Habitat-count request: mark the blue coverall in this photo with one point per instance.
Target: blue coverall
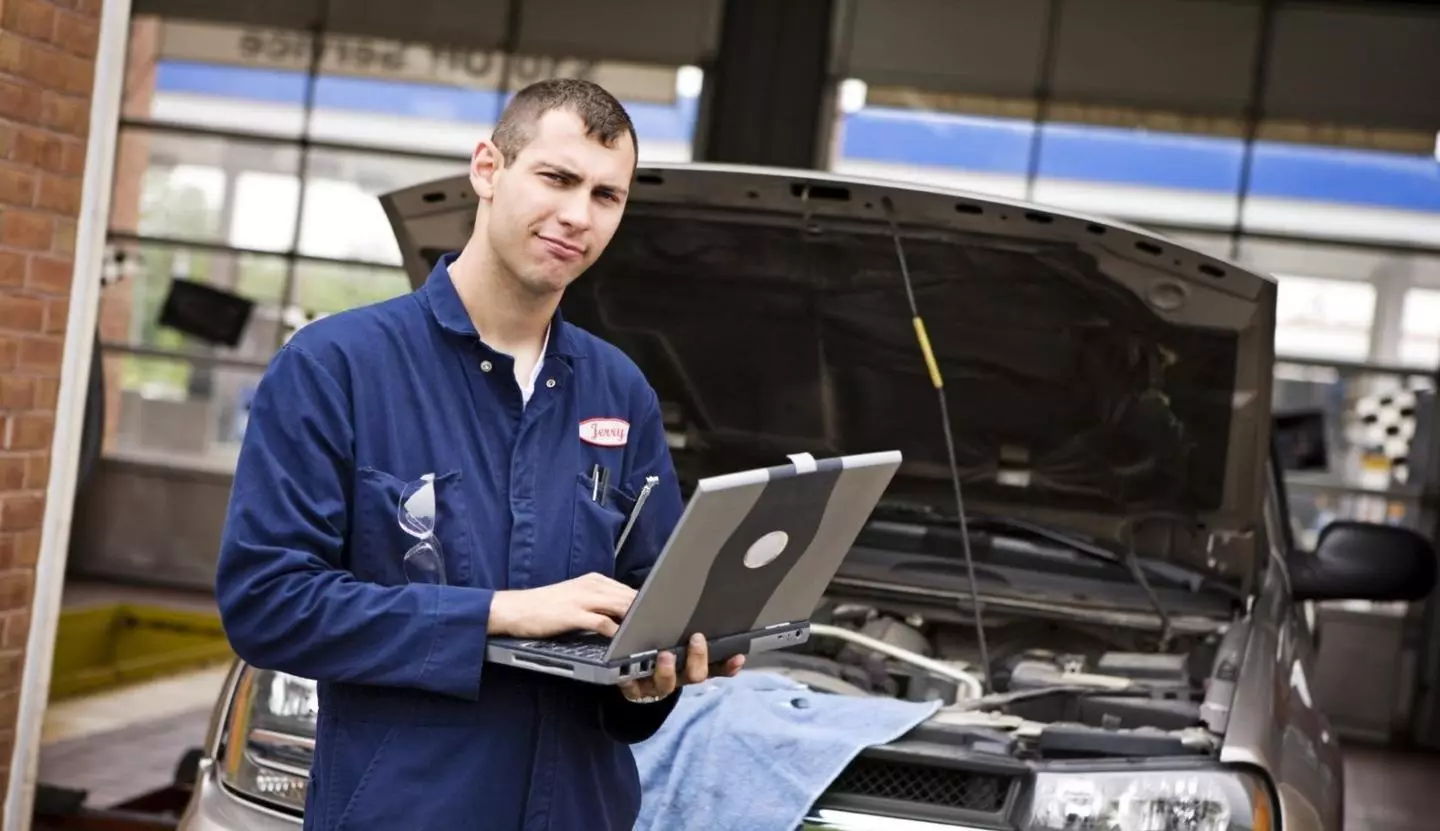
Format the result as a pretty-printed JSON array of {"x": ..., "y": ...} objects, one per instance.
[{"x": 415, "y": 732}]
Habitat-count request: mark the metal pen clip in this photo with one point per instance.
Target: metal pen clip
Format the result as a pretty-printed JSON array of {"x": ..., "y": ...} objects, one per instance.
[
  {"x": 650, "y": 482},
  {"x": 599, "y": 484}
]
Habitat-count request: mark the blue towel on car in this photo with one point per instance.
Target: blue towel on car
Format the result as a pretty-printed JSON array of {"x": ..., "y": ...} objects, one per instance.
[{"x": 754, "y": 752}]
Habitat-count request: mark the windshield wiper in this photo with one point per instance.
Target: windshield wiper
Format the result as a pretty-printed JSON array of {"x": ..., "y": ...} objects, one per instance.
[
  {"x": 1138, "y": 568},
  {"x": 899, "y": 514}
]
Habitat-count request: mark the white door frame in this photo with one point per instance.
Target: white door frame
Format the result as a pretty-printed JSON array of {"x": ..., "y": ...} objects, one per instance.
[{"x": 105, "y": 103}]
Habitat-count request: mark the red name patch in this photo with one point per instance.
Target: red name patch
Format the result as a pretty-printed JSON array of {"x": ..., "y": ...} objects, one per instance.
[{"x": 605, "y": 432}]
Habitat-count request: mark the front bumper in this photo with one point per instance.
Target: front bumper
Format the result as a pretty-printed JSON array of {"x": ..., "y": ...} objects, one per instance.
[{"x": 213, "y": 808}]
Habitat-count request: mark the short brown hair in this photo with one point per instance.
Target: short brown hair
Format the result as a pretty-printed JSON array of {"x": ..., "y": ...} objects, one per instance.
[{"x": 603, "y": 116}]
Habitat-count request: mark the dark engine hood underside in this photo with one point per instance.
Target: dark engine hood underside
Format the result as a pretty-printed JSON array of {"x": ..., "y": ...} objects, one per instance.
[{"x": 1094, "y": 372}]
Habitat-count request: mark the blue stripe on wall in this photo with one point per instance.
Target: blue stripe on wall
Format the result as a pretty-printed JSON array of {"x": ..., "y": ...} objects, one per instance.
[
  {"x": 987, "y": 145},
  {"x": 1164, "y": 160},
  {"x": 981, "y": 145},
  {"x": 1154, "y": 159}
]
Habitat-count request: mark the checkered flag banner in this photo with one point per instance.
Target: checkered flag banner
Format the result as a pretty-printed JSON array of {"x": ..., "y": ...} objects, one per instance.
[{"x": 1385, "y": 424}]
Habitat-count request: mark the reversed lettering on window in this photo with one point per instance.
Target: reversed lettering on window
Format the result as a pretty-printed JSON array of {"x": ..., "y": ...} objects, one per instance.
[{"x": 365, "y": 56}]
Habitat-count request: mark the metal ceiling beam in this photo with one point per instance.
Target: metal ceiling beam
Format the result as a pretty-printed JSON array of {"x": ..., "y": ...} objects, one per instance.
[{"x": 767, "y": 90}]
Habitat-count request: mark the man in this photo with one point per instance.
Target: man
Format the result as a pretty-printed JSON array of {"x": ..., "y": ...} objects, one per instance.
[{"x": 475, "y": 393}]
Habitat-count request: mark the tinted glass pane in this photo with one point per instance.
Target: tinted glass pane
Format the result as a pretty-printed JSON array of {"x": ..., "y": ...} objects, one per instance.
[
  {"x": 1323, "y": 318},
  {"x": 215, "y": 190},
  {"x": 1420, "y": 329},
  {"x": 343, "y": 217},
  {"x": 173, "y": 410},
  {"x": 257, "y": 278},
  {"x": 324, "y": 288}
]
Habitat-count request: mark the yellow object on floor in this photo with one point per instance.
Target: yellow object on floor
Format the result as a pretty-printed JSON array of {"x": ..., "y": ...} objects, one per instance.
[
  {"x": 103, "y": 647},
  {"x": 146, "y": 701}
]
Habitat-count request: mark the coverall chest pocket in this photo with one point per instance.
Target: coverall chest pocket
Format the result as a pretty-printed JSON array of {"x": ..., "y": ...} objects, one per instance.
[
  {"x": 410, "y": 530},
  {"x": 600, "y": 516}
]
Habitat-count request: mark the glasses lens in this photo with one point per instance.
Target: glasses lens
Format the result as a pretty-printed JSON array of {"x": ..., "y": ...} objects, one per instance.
[
  {"x": 423, "y": 564},
  {"x": 417, "y": 507}
]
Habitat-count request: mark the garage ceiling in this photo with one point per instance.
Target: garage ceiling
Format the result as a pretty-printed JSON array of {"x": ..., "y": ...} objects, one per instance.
[{"x": 1373, "y": 66}]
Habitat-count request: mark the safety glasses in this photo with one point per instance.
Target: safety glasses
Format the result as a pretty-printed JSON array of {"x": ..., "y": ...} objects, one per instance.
[{"x": 424, "y": 562}]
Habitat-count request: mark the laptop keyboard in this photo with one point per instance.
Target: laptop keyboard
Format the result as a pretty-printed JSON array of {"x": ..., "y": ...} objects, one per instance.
[{"x": 583, "y": 645}]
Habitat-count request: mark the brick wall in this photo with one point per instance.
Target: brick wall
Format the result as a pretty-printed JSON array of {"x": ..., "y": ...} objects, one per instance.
[{"x": 47, "y": 65}]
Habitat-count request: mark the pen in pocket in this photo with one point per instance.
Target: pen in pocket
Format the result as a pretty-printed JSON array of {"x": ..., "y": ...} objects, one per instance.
[
  {"x": 650, "y": 482},
  {"x": 599, "y": 484}
]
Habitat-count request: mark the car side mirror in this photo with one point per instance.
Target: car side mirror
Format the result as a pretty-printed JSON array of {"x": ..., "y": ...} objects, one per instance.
[{"x": 1364, "y": 561}]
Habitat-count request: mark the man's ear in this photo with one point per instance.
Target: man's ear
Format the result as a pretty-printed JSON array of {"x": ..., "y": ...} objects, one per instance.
[{"x": 485, "y": 162}]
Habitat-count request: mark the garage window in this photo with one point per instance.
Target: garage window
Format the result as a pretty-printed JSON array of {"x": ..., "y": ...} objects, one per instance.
[
  {"x": 1420, "y": 329},
  {"x": 1320, "y": 318},
  {"x": 246, "y": 166}
]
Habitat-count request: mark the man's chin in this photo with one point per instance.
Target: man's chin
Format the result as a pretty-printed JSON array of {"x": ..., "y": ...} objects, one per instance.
[{"x": 544, "y": 286}]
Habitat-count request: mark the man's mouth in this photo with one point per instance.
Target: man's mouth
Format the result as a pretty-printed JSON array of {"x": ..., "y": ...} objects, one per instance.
[{"x": 561, "y": 249}]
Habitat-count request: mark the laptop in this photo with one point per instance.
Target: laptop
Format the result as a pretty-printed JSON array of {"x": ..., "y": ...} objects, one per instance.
[{"x": 746, "y": 565}]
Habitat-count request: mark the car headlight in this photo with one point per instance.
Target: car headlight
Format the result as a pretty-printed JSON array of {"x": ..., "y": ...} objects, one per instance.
[
  {"x": 270, "y": 738},
  {"x": 1198, "y": 800}
]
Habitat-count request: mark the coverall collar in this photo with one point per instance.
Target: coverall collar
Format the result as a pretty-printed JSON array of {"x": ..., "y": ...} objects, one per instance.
[{"x": 438, "y": 294}]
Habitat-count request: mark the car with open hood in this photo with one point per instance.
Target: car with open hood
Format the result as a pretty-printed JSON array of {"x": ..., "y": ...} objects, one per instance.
[{"x": 1084, "y": 410}]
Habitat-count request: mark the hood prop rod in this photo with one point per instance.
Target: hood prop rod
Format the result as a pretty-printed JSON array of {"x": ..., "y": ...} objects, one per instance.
[
  {"x": 939, "y": 383},
  {"x": 1132, "y": 560}
]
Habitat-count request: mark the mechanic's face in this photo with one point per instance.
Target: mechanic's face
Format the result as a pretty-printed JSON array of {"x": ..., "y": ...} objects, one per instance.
[{"x": 549, "y": 212}]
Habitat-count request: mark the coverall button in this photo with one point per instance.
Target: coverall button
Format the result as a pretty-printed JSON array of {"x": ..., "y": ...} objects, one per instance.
[
  {"x": 486, "y": 366},
  {"x": 549, "y": 383}
]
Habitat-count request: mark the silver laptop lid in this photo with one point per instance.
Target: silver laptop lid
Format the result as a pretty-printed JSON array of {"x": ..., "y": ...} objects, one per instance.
[{"x": 755, "y": 549}]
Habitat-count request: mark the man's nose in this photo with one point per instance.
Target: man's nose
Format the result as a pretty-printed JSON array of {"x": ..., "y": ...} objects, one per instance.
[{"x": 575, "y": 210}]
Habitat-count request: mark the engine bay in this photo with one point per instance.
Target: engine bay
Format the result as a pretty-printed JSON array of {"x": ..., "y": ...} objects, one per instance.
[{"x": 1056, "y": 690}]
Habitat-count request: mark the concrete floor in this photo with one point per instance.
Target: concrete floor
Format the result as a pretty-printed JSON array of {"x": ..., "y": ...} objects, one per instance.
[{"x": 122, "y": 744}]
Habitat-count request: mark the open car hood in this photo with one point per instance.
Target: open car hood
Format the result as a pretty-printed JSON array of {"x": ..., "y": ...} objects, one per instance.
[{"x": 1095, "y": 372}]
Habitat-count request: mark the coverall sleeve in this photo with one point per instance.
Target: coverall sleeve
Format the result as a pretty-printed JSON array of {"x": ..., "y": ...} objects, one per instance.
[
  {"x": 624, "y": 720},
  {"x": 285, "y": 599}
]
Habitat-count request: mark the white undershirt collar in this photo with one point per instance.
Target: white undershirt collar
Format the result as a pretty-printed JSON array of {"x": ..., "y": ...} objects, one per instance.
[{"x": 527, "y": 385}]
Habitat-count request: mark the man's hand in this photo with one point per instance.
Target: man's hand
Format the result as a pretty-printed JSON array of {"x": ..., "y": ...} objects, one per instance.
[
  {"x": 591, "y": 602},
  {"x": 664, "y": 682}
]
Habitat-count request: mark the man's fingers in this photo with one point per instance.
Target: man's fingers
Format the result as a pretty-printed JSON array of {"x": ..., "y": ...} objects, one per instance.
[
  {"x": 697, "y": 660},
  {"x": 604, "y": 606},
  {"x": 596, "y": 580},
  {"x": 733, "y": 666},
  {"x": 601, "y": 624},
  {"x": 663, "y": 680},
  {"x": 607, "y": 606},
  {"x": 609, "y": 597}
]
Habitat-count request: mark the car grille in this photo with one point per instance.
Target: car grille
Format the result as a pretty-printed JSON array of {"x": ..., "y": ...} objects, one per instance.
[{"x": 930, "y": 785}]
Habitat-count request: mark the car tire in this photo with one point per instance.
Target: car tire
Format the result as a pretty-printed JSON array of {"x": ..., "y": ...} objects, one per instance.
[{"x": 187, "y": 771}]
